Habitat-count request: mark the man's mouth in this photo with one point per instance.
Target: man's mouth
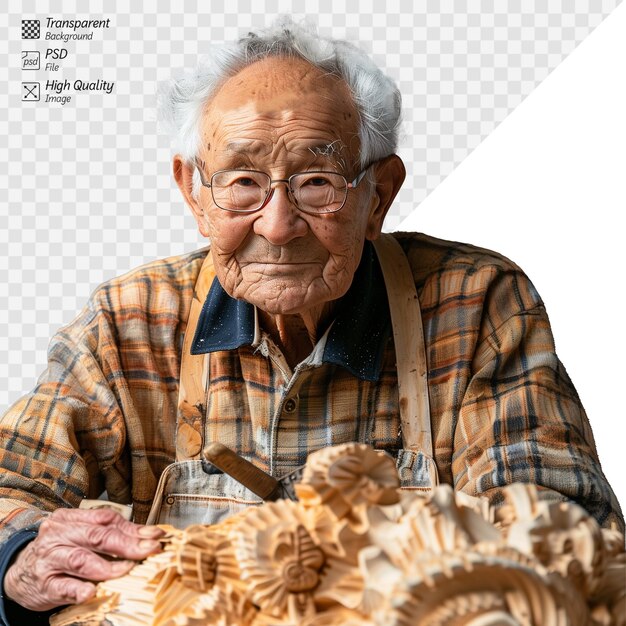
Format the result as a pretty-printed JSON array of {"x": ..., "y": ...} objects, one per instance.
[{"x": 278, "y": 266}]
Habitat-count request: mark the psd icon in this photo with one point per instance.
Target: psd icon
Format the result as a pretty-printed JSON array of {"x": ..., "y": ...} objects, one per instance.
[
  {"x": 30, "y": 29},
  {"x": 30, "y": 59}
]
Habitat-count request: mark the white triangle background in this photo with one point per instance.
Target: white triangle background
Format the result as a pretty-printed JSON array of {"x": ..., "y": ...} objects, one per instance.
[{"x": 548, "y": 189}]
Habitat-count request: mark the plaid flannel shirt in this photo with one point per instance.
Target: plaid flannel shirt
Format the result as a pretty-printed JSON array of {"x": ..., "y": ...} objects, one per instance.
[{"x": 103, "y": 414}]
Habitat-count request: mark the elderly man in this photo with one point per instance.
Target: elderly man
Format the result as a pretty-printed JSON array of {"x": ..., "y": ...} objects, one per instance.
[{"x": 290, "y": 333}]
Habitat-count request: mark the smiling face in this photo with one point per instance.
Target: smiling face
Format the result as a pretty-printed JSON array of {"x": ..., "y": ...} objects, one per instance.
[{"x": 283, "y": 116}]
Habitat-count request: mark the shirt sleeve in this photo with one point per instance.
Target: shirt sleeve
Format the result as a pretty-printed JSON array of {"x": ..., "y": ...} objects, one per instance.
[
  {"x": 103, "y": 414},
  {"x": 59, "y": 442},
  {"x": 521, "y": 419},
  {"x": 11, "y": 613}
]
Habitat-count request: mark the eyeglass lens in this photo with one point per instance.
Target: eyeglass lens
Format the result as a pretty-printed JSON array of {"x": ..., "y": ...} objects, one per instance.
[{"x": 315, "y": 192}]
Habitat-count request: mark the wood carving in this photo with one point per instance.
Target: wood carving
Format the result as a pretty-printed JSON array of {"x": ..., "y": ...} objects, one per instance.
[{"x": 356, "y": 550}]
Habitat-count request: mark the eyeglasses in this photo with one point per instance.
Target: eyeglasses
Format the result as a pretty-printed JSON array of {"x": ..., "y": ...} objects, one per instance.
[{"x": 246, "y": 191}]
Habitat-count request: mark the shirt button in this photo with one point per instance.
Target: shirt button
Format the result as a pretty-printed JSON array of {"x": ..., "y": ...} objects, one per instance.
[{"x": 290, "y": 406}]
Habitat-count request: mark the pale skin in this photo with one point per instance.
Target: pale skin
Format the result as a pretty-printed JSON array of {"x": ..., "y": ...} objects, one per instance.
[{"x": 279, "y": 116}]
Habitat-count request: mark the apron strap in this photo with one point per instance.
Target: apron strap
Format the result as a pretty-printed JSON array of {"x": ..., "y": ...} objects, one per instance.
[
  {"x": 193, "y": 374},
  {"x": 408, "y": 337}
]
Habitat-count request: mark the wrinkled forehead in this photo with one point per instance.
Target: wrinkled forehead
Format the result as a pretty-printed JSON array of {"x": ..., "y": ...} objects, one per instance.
[{"x": 269, "y": 88}]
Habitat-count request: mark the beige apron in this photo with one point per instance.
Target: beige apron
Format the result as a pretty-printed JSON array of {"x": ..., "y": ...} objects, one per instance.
[{"x": 187, "y": 495}]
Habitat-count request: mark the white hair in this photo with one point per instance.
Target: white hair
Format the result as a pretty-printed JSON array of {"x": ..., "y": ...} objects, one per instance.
[{"x": 376, "y": 96}]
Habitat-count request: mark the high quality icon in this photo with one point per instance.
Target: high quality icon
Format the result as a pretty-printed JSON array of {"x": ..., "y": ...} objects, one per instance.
[{"x": 30, "y": 92}]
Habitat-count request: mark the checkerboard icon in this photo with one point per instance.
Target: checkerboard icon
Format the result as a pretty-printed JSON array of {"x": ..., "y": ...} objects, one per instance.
[{"x": 30, "y": 29}]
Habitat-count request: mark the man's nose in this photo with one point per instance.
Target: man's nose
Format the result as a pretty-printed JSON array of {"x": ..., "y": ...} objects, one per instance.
[{"x": 280, "y": 221}]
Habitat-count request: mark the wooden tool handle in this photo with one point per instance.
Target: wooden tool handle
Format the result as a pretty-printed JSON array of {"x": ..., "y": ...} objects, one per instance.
[{"x": 250, "y": 476}]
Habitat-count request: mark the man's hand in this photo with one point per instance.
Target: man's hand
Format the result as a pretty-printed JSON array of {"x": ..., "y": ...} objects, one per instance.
[{"x": 54, "y": 569}]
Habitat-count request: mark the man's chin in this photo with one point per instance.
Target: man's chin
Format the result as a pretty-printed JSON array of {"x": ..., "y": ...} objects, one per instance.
[
  {"x": 273, "y": 307},
  {"x": 289, "y": 295},
  {"x": 286, "y": 302}
]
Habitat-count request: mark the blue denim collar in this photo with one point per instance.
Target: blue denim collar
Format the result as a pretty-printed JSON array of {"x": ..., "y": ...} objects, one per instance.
[{"x": 357, "y": 337}]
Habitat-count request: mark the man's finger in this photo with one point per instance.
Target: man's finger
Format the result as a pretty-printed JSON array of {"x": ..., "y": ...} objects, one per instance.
[
  {"x": 82, "y": 563},
  {"x": 62, "y": 590},
  {"x": 106, "y": 517},
  {"x": 110, "y": 540},
  {"x": 105, "y": 532}
]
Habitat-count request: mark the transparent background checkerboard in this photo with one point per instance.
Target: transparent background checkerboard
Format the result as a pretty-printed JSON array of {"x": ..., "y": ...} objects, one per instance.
[{"x": 86, "y": 191}]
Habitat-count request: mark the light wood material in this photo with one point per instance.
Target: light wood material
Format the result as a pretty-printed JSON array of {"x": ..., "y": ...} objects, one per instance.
[
  {"x": 191, "y": 392},
  {"x": 126, "y": 511},
  {"x": 250, "y": 476},
  {"x": 358, "y": 551},
  {"x": 408, "y": 335}
]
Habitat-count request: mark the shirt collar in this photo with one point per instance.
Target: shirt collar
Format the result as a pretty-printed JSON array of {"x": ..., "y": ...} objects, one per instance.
[{"x": 356, "y": 340}]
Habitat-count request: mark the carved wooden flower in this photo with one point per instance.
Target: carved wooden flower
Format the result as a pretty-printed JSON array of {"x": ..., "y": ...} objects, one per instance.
[
  {"x": 471, "y": 589},
  {"x": 279, "y": 560},
  {"x": 195, "y": 557},
  {"x": 348, "y": 476}
]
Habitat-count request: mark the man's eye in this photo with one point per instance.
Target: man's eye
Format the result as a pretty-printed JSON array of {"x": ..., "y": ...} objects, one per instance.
[
  {"x": 317, "y": 181},
  {"x": 244, "y": 181}
]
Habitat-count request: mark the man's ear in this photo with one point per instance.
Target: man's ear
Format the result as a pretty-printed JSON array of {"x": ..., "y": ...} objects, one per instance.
[
  {"x": 183, "y": 175},
  {"x": 389, "y": 174}
]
